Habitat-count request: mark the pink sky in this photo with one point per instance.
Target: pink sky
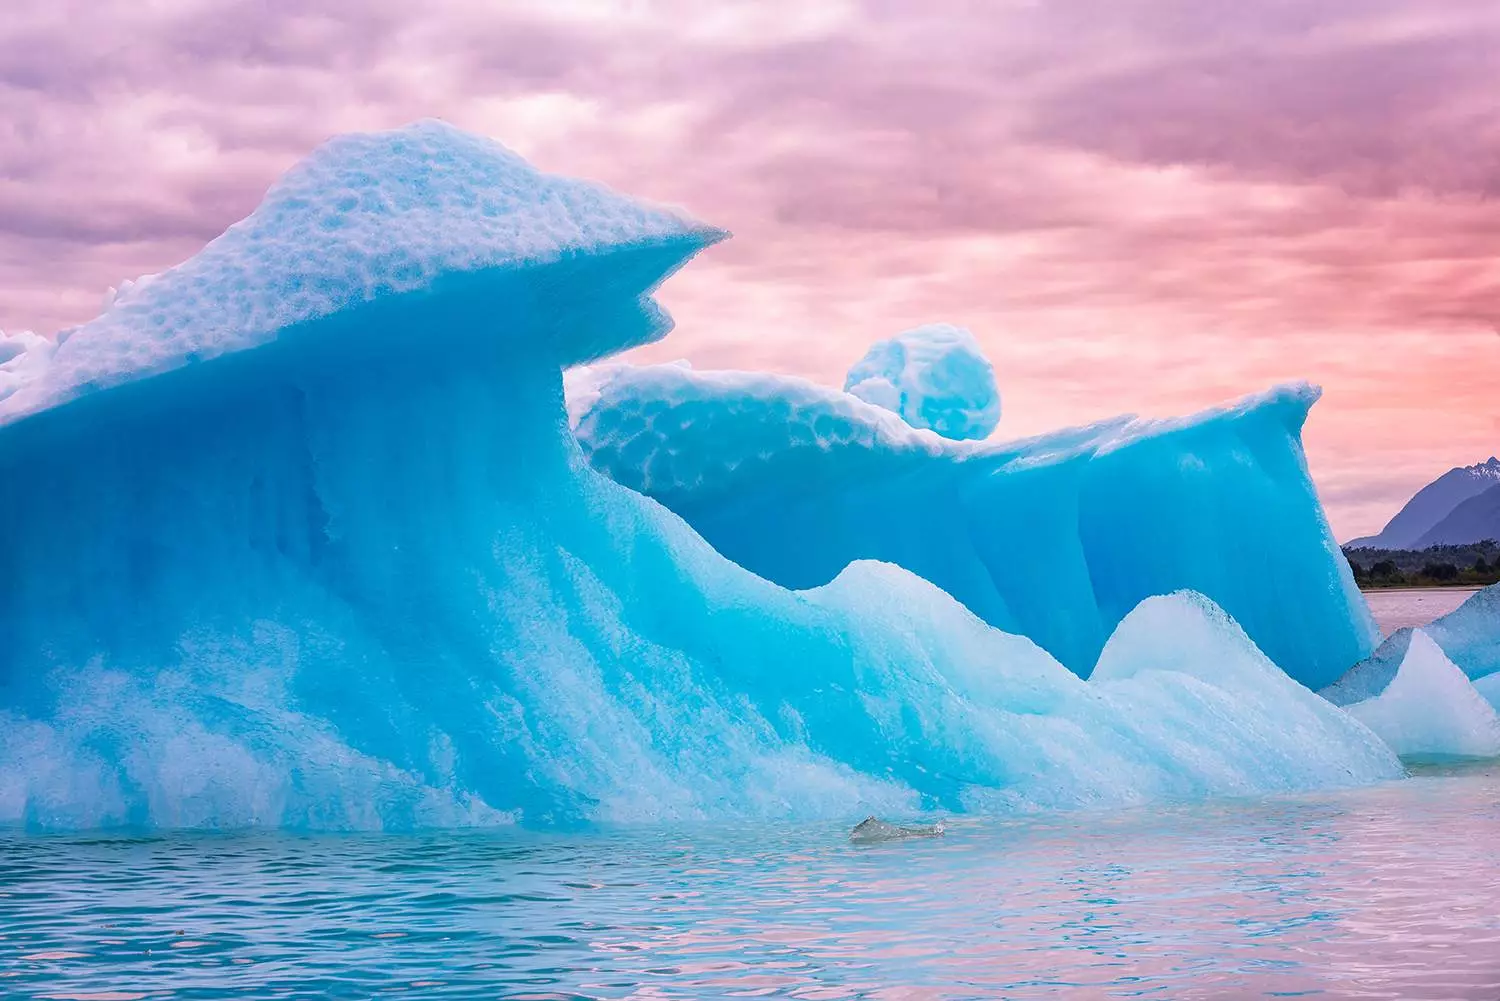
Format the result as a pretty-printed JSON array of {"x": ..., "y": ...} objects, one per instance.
[{"x": 1139, "y": 205}]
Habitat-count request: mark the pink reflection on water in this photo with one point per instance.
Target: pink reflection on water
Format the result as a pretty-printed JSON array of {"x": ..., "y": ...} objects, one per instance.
[{"x": 1361, "y": 897}]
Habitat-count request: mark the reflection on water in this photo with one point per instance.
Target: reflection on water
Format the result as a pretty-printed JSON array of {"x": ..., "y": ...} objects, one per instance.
[
  {"x": 1390, "y": 892},
  {"x": 1398, "y": 607}
]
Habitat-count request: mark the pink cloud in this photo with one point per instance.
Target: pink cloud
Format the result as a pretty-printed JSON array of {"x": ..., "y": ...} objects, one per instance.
[{"x": 1149, "y": 205}]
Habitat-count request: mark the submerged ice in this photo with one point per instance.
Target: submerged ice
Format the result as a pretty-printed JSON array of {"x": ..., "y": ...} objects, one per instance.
[{"x": 308, "y": 542}]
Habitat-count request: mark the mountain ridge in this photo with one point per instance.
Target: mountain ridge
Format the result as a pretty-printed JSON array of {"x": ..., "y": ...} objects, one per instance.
[
  {"x": 1472, "y": 520},
  {"x": 1432, "y": 505}
]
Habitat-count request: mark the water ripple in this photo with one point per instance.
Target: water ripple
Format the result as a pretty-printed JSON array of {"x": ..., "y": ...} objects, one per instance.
[{"x": 1389, "y": 892}]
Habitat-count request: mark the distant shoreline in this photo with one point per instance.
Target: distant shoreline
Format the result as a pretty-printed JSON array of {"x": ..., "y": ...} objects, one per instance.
[
  {"x": 1463, "y": 586},
  {"x": 1436, "y": 567}
]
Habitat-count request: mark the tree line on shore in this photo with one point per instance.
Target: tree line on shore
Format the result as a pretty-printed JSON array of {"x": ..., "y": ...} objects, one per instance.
[{"x": 1435, "y": 566}]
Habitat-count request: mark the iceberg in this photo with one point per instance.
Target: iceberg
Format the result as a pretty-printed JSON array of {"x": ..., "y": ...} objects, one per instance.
[
  {"x": 296, "y": 534},
  {"x": 1055, "y": 537},
  {"x": 1469, "y": 636},
  {"x": 933, "y": 377},
  {"x": 1429, "y": 709}
]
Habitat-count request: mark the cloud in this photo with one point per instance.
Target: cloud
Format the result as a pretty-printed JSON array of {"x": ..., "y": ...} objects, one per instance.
[
  {"x": 1145, "y": 205},
  {"x": 1373, "y": 104}
]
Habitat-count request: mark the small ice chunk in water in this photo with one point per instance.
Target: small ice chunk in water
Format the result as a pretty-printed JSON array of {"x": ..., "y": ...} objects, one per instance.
[
  {"x": 1469, "y": 636},
  {"x": 872, "y": 829},
  {"x": 1431, "y": 709}
]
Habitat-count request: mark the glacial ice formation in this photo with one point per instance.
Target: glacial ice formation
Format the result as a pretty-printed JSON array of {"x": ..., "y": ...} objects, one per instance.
[
  {"x": 1469, "y": 636},
  {"x": 296, "y": 534},
  {"x": 1055, "y": 537},
  {"x": 355, "y": 224},
  {"x": 934, "y": 377},
  {"x": 1430, "y": 709}
]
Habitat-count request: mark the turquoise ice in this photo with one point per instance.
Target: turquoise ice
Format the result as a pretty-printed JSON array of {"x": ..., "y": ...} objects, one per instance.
[
  {"x": 1470, "y": 634},
  {"x": 1055, "y": 537},
  {"x": 934, "y": 377},
  {"x": 297, "y": 534}
]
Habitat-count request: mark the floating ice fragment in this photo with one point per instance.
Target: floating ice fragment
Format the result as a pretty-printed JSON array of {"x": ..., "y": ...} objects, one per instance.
[
  {"x": 1430, "y": 709},
  {"x": 1469, "y": 636},
  {"x": 872, "y": 829}
]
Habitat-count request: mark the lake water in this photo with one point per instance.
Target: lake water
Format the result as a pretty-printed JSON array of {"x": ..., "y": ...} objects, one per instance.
[
  {"x": 1397, "y": 608},
  {"x": 1384, "y": 892}
]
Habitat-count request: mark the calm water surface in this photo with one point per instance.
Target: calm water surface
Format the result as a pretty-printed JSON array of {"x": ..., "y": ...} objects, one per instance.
[
  {"x": 1386, "y": 892},
  {"x": 1397, "y": 608}
]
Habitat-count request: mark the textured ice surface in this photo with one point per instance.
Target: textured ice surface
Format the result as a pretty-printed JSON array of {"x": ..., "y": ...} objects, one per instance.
[
  {"x": 1430, "y": 709},
  {"x": 705, "y": 438},
  {"x": 934, "y": 377},
  {"x": 23, "y": 356},
  {"x": 1056, "y": 537},
  {"x": 365, "y": 216},
  {"x": 1469, "y": 637},
  {"x": 1181, "y": 663},
  {"x": 1369, "y": 677},
  {"x": 363, "y": 577}
]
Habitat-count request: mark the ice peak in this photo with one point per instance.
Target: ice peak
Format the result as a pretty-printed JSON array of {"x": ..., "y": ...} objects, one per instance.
[{"x": 364, "y": 217}]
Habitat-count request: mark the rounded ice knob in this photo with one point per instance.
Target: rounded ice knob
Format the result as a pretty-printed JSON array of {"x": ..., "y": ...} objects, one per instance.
[{"x": 935, "y": 377}]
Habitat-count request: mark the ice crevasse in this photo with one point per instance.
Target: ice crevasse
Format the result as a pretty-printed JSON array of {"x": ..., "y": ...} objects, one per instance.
[{"x": 297, "y": 534}]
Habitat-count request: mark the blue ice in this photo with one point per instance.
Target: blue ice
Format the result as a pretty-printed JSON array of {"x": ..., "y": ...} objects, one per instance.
[
  {"x": 935, "y": 377},
  {"x": 1056, "y": 537},
  {"x": 297, "y": 534}
]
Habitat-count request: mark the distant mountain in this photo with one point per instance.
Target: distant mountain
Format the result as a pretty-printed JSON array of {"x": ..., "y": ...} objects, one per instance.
[
  {"x": 1475, "y": 519},
  {"x": 1432, "y": 505}
]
